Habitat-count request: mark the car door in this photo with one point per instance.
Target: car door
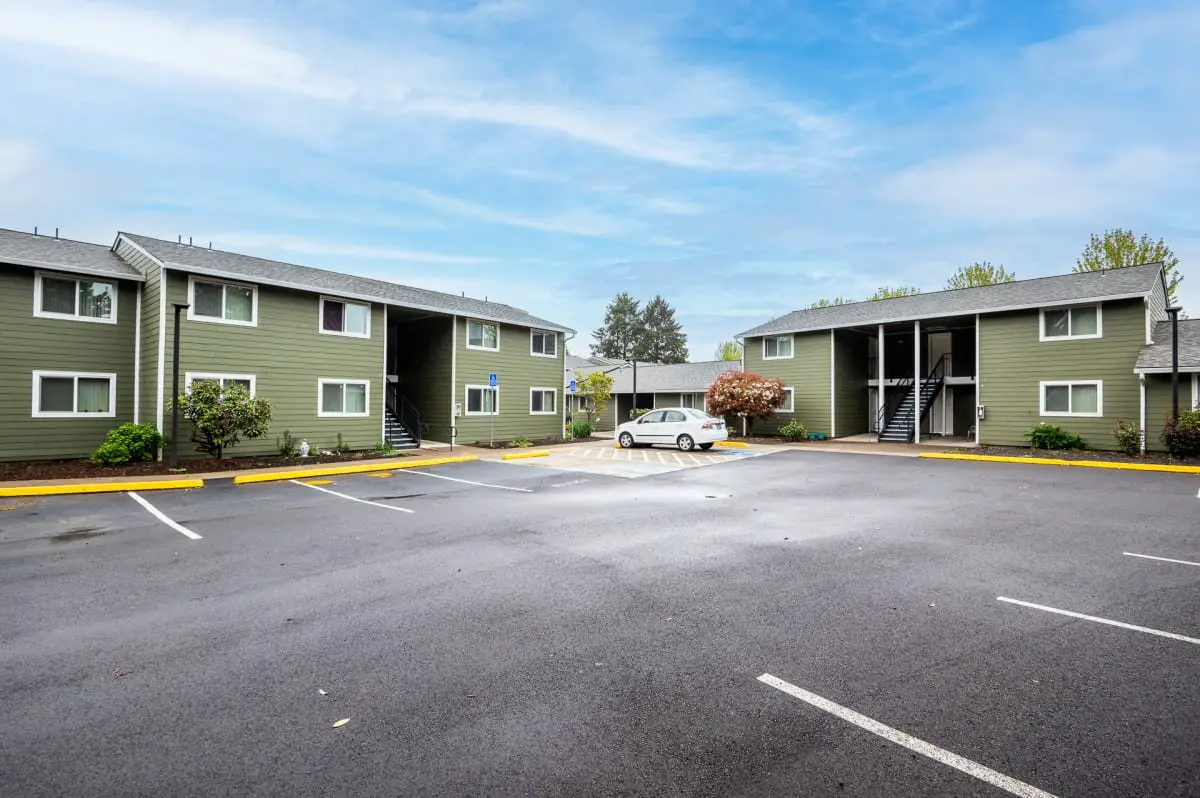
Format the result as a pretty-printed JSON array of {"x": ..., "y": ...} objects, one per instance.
[
  {"x": 674, "y": 424},
  {"x": 649, "y": 428}
]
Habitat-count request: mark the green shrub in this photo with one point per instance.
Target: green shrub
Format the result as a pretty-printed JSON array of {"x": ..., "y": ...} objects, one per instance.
[
  {"x": 1050, "y": 436},
  {"x": 581, "y": 429},
  {"x": 520, "y": 443},
  {"x": 385, "y": 449},
  {"x": 287, "y": 445},
  {"x": 1183, "y": 439},
  {"x": 793, "y": 430},
  {"x": 129, "y": 443},
  {"x": 638, "y": 412},
  {"x": 342, "y": 447},
  {"x": 111, "y": 453},
  {"x": 222, "y": 417},
  {"x": 1129, "y": 437}
]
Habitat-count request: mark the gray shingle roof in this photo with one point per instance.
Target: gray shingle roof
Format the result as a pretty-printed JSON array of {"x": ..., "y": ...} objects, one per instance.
[
  {"x": 1037, "y": 292},
  {"x": 200, "y": 260},
  {"x": 665, "y": 378},
  {"x": 1157, "y": 356},
  {"x": 27, "y": 249}
]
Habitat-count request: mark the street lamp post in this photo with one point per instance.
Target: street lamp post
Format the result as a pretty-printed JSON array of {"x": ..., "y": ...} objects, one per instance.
[
  {"x": 174, "y": 461},
  {"x": 1174, "y": 314}
]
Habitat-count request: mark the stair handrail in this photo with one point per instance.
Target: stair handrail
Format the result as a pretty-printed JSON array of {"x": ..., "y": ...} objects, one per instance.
[
  {"x": 895, "y": 399},
  {"x": 937, "y": 376},
  {"x": 404, "y": 410},
  {"x": 900, "y": 392}
]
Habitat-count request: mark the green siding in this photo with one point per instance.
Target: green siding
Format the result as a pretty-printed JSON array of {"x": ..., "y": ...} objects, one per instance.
[
  {"x": 1013, "y": 362},
  {"x": 28, "y": 344},
  {"x": 423, "y": 354},
  {"x": 1158, "y": 404},
  {"x": 286, "y": 355},
  {"x": 807, "y": 372},
  {"x": 851, "y": 362},
  {"x": 518, "y": 371}
]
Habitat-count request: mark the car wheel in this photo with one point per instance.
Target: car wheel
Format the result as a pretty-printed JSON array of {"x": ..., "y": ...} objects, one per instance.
[
  {"x": 626, "y": 440},
  {"x": 706, "y": 446},
  {"x": 686, "y": 444}
]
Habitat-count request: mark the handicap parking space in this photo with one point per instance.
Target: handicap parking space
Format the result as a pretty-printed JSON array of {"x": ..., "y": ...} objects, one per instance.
[{"x": 605, "y": 459}]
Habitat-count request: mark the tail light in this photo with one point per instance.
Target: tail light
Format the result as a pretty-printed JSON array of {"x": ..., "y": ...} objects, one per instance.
[{"x": 706, "y": 425}]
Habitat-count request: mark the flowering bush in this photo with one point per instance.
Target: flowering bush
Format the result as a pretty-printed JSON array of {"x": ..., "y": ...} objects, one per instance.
[
  {"x": 745, "y": 394},
  {"x": 222, "y": 417}
]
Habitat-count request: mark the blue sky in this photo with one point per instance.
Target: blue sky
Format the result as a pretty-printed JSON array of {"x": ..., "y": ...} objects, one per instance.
[{"x": 741, "y": 157}]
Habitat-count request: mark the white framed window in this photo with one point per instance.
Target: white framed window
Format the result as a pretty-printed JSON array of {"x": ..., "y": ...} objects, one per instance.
[
  {"x": 222, "y": 302},
  {"x": 74, "y": 394},
  {"x": 1073, "y": 398},
  {"x": 788, "y": 405},
  {"x": 543, "y": 401},
  {"x": 60, "y": 297},
  {"x": 777, "y": 347},
  {"x": 695, "y": 401},
  {"x": 481, "y": 335},
  {"x": 247, "y": 381},
  {"x": 1070, "y": 324},
  {"x": 338, "y": 398},
  {"x": 543, "y": 343},
  {"x": 482, "y": 401},
  {"x": 339, "y": 317}
]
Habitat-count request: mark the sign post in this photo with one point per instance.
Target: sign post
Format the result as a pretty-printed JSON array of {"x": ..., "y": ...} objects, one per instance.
[
  {"x": 493, "y": 384},
  {"x": 567, "y": 429}
]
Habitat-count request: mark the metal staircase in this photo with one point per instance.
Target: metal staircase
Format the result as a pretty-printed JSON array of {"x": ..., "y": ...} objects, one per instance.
[
  {"x": 897, "y": 423},
  {"x": 401, "y": 421}
]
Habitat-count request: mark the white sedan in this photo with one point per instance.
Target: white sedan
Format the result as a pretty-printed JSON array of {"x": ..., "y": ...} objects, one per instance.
[{"x": 675, "y": 426}]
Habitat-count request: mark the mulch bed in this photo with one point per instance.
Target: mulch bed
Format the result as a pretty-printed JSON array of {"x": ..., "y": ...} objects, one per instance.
[
  {"x": 1155, "y": 458},
  {"x": 84, "y": 469},
  {"x": 535, "y": 443}
]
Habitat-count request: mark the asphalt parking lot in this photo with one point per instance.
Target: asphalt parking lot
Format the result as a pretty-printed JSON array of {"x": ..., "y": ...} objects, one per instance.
[{"x": 796, "y": 624}]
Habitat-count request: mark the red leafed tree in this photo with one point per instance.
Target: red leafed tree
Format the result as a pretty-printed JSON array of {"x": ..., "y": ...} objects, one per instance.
[{"x": 745, "y": 394}]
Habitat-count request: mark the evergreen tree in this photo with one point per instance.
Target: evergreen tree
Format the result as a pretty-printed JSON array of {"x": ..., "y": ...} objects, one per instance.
[
  {"x": 622, "y": 332},
  {"x": 663, "y": 340}
]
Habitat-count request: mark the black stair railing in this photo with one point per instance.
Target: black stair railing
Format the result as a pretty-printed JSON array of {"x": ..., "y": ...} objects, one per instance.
[
  {"x": 895, "y": 398},
  {"x": 404, "y": 411},
  {"x": 931, "y": 386}
]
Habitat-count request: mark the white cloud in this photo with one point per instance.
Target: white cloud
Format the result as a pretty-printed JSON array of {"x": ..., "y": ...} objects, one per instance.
[{"x": 580, "y": 222}]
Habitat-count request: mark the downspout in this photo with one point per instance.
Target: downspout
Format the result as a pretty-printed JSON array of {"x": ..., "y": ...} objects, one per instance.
[
  {"x": 1142, "y": 418},
  {"x": 567, "y": 397},
  {"x": 162, "y": 350},
  {"x": 832, "y": 385},
  {"x": 137, "y": 357},
  {"x": 453, "y": 378},
  {"x": 384, "y": 382},
  {"x": 978, "y": 383}
]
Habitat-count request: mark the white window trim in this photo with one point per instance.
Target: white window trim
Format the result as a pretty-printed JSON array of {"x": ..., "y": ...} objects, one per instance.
[
  {"x": 1042, "y": 324},
  {"x": 42, "y": 314},
  {"x": 191, "y": 376},
  {"x": 532, "y": 333},
  {"x": 191, "y": 312},
  {"x": 1196, "y": 391},
  {"x": 496, "y": 348},
  {"x": 1042, "y": 386},
  {"x": 790, "y": 407},
  {"x": 323, "y": 381},
  {"x": 543, "y": 412},
  {"x": 321, "y": 317},
  {"x": 76, "y": 375},
  {"x": 792, "y": 348},
  {"x": 467, "y": 411}
]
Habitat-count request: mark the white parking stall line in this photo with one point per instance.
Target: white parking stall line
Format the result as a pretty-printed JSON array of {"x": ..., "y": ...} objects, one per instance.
[
  {"x": 161, "y": 516},
  {"x": 351, "y": 498},
  {"x": 677, "y": 459},
  {"x": 1106, "y": 621},
  {"x": 695, "y": 461},
  {"x": 1160, "y": 559},
  {"x": 410, "y": 473},
  {"x": 960, "y": 763},
  {"x": 661, "y": 459}
]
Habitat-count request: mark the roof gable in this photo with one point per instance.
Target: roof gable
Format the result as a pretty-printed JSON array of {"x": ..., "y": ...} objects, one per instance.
[
  {"x": 213, "y": 262},
  {"x": 1157, "y": 356},
  {"x": 1133, "y": 281}
]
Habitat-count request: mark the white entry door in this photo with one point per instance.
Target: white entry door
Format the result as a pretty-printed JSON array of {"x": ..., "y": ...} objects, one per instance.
[{"x": 941, "y": 415}]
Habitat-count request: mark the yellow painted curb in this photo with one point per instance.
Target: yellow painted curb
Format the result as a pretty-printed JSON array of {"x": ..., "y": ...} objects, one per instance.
[
  {"x": 738, "y": 444},
  {"x": 523, "y": 455},
  {"x": 277, "y": 476},
  {"x": 991, "y": 458},
  {"x": 102, "y": 487}
]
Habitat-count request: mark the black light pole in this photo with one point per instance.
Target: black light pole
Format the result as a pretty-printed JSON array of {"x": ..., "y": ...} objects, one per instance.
[
  {"x": 635, "y": 399},
  {"x": 174, "y": 461},
  {"x": 1174, "y": 314}
]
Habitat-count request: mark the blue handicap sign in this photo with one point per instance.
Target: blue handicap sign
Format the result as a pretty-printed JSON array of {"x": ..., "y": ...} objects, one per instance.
[
  {"x": 492, "y": 381},
  {"x": 571, "y": 387}
]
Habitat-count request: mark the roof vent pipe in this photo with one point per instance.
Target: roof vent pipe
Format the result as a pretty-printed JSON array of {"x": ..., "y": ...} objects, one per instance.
[
  {"x": 179, "y": 240},
  {"x": 189, "y": 241},
  {"x": 56, "y": 232},
  {"x": 35, "y": 229}
]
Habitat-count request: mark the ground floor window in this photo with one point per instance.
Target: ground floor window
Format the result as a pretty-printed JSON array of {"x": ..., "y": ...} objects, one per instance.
[
  {"x": 542, "y": 401},
  {"x": 1081, "y": 398},
  {"x": 69, "y": 394},
  {"x": 695, "y": 401},
  {"x": 245, "y": 380},
  {"x": 788, "y": 405},
  {"x": 482, "y": 400},
  {"x": 343, "y": 398}
]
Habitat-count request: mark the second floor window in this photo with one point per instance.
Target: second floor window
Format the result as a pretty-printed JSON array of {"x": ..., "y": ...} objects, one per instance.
[
  {"x": 1067, "y": 323},
  {"x": 777, "y": 347},
  {"x": 544, "y": 344},
  {"x": 345, "y": 318},
  {"x": 223, "y": 302},
  {"x": 483, "y": 336},
  {"x": 81, "y": 300}
]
